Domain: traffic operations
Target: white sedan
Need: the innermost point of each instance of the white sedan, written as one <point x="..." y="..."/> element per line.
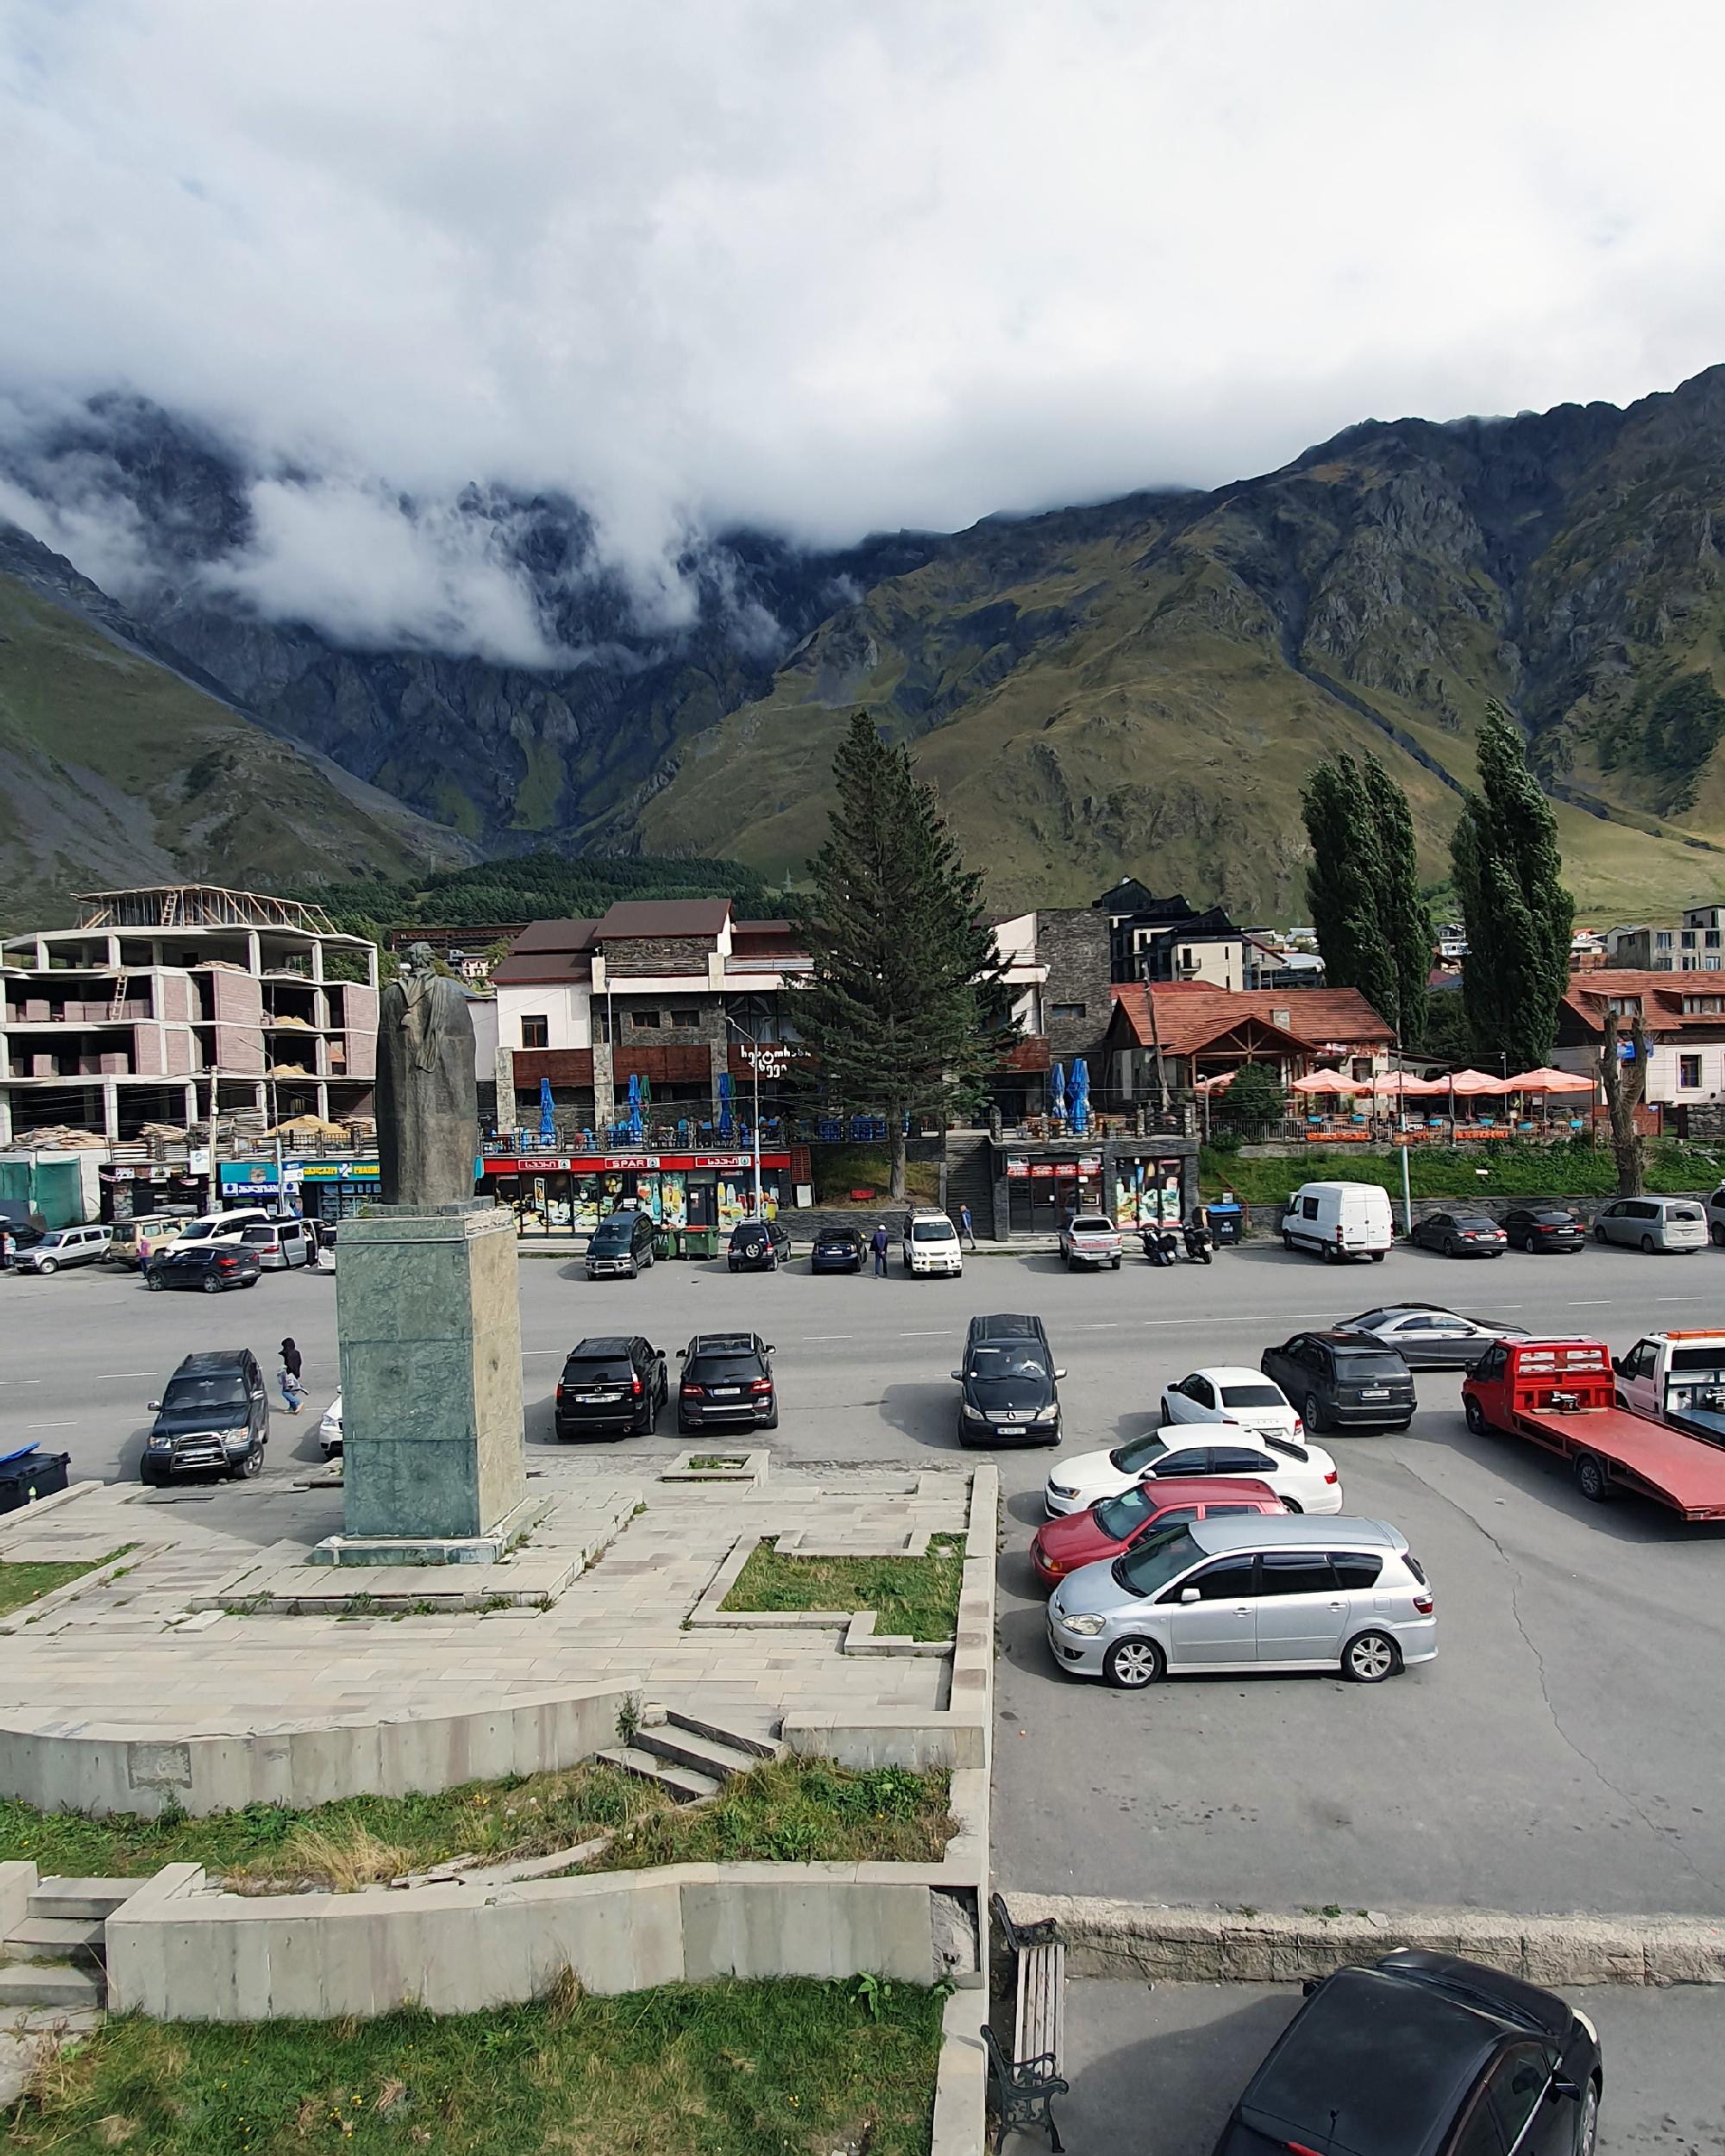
<point x="1246" y="1398"/>
<point x="1302" y="1475"/>
<point x="329" y="1430"/>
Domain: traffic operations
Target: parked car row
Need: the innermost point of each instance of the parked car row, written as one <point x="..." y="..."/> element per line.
<point x="618" y="1383"/>
<point x="1341" y="1221"/>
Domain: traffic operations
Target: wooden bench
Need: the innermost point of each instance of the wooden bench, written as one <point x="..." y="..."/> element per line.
<point x="1030" y="2080"/>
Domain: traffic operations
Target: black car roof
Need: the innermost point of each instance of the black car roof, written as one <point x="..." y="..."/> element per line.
<point x="1006" y="1325"/>
<point x="1391" y="2059"/>
<point x="211" y="1360"/>
<point x="608" y="1345"/>
<point x="1350" y="1336"/>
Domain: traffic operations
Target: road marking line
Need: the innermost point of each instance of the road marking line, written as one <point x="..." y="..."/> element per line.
<point x="526" y="1352"/>
<point x="20" y="1381"/>
<point x="1599" y="1302"/>
<point x="51" y="1426"/>
<point x="103" y="1377"/>
<point x="826" y="1336"/>
<point x="940" y="1335"/>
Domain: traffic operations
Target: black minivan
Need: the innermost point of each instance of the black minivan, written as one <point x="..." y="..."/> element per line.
<point x="621" y="1243"/>
<point x="214" y="1416"/>
<point x="1009" y="1393"/>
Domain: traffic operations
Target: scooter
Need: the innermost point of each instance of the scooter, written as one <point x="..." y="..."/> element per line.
<point x="1161" y="1245"/>
<point x="1199" y="1244"/>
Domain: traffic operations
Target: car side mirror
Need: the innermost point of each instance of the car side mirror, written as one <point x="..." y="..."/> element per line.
<point x="770" y="1349"/>
<point x="1058" y="1374"/>
<point x="1560" y="2087"/>
<point x="153" y="1407"/>
<point x="1190" y="1594"/>
<point x="682" y="1355"/>
<point x="957" y="1375"/>
<point x="1617" y="1365"/>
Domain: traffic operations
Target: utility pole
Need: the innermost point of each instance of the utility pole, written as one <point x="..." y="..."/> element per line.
<point x="1155" y="1039"/>
<point x="770" y="1059"/>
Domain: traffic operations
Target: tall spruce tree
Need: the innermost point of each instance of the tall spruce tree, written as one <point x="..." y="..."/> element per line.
<point x="905" y="975"/>
<point x="1363" y="887"/>
<point x="1508" y="877"/>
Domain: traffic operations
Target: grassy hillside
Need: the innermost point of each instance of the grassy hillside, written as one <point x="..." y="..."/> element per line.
<point x="114" y="770"/>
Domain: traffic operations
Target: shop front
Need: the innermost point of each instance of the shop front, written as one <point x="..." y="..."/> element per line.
<point x="136" y="1192"/>
<point x="570" y="1194"/>
<point x="321" y="1189"/>
<point x="1134" y="1180"/>
<point x="1042" y="1192"/>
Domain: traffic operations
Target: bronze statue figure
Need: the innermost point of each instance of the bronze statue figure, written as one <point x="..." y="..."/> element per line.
<point x="427" y="1098"/>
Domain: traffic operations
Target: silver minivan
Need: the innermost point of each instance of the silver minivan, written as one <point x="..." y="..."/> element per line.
<point x="1252" y="1592"/>
<point x="1652" y="1224"/>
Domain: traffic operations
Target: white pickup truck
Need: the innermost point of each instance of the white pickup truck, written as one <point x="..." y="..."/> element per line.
<point x="1678" y="1378"/>
<point x="1089" y="1239"/>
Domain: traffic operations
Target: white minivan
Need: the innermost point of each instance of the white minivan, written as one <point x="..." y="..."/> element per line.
<point x="931" y="1245"/>
<point x="1339" y="1220"/>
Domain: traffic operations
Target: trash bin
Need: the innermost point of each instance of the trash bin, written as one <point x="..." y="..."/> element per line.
<point x="701" y="1242"/>
<point x="30" y="1475"/>
<point x="1227" y="1217"/>
<point x="662" y="1243"/>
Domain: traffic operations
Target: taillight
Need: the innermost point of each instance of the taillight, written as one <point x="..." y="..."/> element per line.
<point x="1331" y="1477"/>
<point x="1299" y="1427"/>
<point x="561" y="1389"/>
<point x="692" y="1392"/>
<point x="762" y="1385"/>
<point x="1425" y="1604"/>
<point x="634" y="1386"/>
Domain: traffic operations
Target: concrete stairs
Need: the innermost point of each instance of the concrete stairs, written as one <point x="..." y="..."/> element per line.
<point x="969" y="1179"/>
<point x="689" y="1758"/>
<point x="55" y="1956"/>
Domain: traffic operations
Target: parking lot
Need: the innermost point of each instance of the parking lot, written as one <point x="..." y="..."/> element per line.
<point x="1564" y="1752"/>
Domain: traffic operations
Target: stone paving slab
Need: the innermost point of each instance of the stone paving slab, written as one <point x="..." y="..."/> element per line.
<point x="120" y="1655"/>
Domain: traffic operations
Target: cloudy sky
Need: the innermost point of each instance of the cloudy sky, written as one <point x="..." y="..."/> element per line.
<point x="833" y="268"/>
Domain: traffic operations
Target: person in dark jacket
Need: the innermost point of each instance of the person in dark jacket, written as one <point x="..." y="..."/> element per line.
<point x="877" y="1243"/>
<point x="290" y="1361"/>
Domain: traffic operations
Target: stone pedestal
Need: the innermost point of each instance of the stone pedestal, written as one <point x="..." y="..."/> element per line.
<point x="428" y="1313"/>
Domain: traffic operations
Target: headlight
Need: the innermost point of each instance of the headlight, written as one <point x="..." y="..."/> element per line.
<point x="1059" y="1490"/>
<point x="1087" y="1627"/>
<point x="973" y="1414"/>
<point x="237" y="1441"/>
<point x="160" y="1438"/>
<point x="1046" y="1414"/>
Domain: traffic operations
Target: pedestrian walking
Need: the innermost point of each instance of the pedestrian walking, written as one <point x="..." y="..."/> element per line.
<point x="5" y="1250"/>
<point x="877" y="1243"/>
<point x="293" y="1392"/>
<point x="965" y="1228"/>
<point x="290" y="1359"/>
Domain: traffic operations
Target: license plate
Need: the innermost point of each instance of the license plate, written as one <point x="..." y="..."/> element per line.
<point x="604" y="1396"/>
<point x="1375" y="1392"/>
<point x="726" y="1392"/>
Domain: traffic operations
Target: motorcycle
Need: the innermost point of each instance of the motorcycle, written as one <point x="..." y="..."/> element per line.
<point x="1161" y="1245"/>
<point x="1199" y="1244"/>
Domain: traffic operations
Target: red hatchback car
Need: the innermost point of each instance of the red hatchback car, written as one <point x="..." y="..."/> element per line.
<point x="1112" y="1526"/>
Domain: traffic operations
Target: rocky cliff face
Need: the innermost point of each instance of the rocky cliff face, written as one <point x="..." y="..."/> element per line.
<point x="1136" y="686"/>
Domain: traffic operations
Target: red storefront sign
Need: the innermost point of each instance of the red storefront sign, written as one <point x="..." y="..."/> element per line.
<point x="613" y="1163"/>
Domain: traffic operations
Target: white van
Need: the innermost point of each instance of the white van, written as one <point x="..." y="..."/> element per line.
<point x="931" y="1245"/>
<point x="1339" y="1220"/>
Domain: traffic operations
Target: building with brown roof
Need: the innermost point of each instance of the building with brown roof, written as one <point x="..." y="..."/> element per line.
<point x="1684" y="1017"/>
<point x="1203" y="1031"/>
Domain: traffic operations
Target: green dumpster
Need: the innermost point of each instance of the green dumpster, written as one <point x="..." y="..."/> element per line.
<point x="701" y="1242"/>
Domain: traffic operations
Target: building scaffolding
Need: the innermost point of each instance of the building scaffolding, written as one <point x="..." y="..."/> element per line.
<point x="199" y="906"/>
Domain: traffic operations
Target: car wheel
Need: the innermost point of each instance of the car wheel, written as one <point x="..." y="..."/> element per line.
<point x="1398" y="1428"/>
<point x="1718" y="1236"/>
<point x="1452" y="1248"/>
<point x="1292" y="1504"/>
<point x="211" y="1285"/>
<point x="772" y="1421"/>
<point x="684" y="1429"/>
<point x="47" y="1265"/>
<point x="1330" y="1253"/>
<point x="1646" y="1246"/>
<point x="155" y="1283"/>
<point x="1379" y="1257"/>
<point x="1113" y="1264"/>
<point x="252" y="1281"/>
<point x="252" y="1464"/>
<point x="1370" y="1656"/>
<point x="1599" y="1234"/>
<point x="1475" y="1415"/>
<point x="1130" y="1665"/>
<point x="152" y="1477"/>
<point x="1587" y="2126"/>
<point x="1591" y="1479"/>
<point x="1316" y="1421"/>
<point x="1287" y="1242"/>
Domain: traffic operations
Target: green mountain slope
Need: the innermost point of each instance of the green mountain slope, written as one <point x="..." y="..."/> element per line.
<point x="114" y="770"/>
<point x="1140" y="687"/>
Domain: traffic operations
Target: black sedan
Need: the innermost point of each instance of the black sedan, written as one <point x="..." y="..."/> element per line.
<point x="760" y="1245"/>
<point x="727" y="1383"/>
<point x="1544" y="1228"/>
<point x="1424" y="2054"/>
<point x="1460" y="1235"/>
<point x="840" y="1249"/>
<point x="1429" y="1337"/>
<point x="209" y="1266"/>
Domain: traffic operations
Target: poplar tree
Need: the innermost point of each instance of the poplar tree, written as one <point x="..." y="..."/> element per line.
<point x="905" y="978"/>
<point x="1363" y="887"/>
<point x="1404" y="920"/>
<point x="1508" y="877"/>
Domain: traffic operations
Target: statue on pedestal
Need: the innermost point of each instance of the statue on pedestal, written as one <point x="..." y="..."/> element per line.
<point x="426" y="1090"/>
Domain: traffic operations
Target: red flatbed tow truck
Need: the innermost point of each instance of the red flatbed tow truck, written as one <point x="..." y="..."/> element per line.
<point x="1561" y="1394"/>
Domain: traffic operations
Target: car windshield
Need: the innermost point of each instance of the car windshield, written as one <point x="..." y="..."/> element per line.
<point x="617" y="1229"/>
<point x="227" y="1390"/>
<point x="1252" y="1396"/>
<point x="598" y="1370"/>
<point x="1117" y="1516"/>
<point x="1140" y="1453"/>
<point x="931" y="1231"/>
<point x="722" y="1370"/>
<point x="1091" y="1223"/>
<point x="1356" y="1363"/>
<point x="1018" y="1360"/>
<point x="1156" y="1560"/>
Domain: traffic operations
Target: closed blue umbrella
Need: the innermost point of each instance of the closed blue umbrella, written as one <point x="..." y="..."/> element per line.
<point x="1057" y="1093"/>
<point x="548" y="1123"/>
<point x="725" y="1104"/>
<point x="1079" y="1096"/>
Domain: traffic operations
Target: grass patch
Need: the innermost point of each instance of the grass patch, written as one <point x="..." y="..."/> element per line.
<point x="797" y="1811"/>
<point x="353" y="1842"/>
<point x="839" y="1169"/>
<point x="728" y="2069"/>
<point x="20" y="1584"/>
<point x="913" y="1597"/>
<point x="1572" y="1168"/>
<point x="700" y="1462"/>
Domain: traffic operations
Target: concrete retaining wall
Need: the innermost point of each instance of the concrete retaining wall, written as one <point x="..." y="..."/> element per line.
<point x="81" y="1768"/>
<point x="1195" y="1946"/>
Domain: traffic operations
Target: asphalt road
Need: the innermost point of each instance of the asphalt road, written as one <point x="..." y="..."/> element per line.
<point x="1155" y="2071"/>
<point x="1565" y="1751"/>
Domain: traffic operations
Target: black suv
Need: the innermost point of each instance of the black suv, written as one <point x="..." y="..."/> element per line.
<point x="621" y="1243"/>
<point x="761" y="1245"/>
<point x="211" y="1266"/>
<point x="1008" y="1383"/>
<point x="727" y="1383"/>
<point x="1339" y="1378"/>
<point x="610" y="1384"/>
<point x="1423" y="2051"/>
<point x="214" y="1416"/>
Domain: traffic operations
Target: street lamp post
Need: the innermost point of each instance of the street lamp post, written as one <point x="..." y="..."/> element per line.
<point x="768" y="1058"/>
